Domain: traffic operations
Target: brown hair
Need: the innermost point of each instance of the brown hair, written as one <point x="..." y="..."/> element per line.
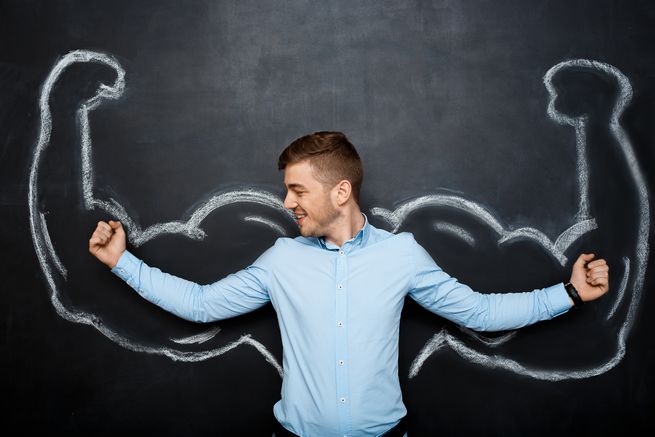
<point x="332" y="157"/>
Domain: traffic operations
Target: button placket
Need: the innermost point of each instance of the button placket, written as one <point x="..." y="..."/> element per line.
<point x="341" y="307"/>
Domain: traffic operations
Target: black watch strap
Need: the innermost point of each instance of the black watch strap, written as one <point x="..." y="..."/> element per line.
<point x="573" y="294"/>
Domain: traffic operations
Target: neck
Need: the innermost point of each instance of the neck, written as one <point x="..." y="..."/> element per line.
<point x="346" y="227"/>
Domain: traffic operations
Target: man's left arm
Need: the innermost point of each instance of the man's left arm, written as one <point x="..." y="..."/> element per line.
<point x="444" y="295"/>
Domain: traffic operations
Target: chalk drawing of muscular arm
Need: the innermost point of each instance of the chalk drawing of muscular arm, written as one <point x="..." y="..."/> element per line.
<point x="623" y="300"/>
<point x="483" y="350"/>
<point x="55" y="270"/>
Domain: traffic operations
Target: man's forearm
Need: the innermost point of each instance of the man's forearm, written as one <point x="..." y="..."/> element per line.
<point x="505" y="311"/>
<point x="176" y="295"/>
<point x="236" y="294"/>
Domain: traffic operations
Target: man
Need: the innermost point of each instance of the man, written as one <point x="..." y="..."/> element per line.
<point x="338" y="290"/>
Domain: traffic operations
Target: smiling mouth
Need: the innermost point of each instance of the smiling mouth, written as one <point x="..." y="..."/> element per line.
<point x="300" y="218"/>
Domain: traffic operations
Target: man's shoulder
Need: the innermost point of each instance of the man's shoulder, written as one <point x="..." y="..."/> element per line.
<point x="295" y="242"/>
<point x="377" y="235"/>
<point x="278" y="251"/>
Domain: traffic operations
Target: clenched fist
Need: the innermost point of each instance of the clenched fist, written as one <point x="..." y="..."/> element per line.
<point x="590" y="278"/>
<point x="108" y="242"/>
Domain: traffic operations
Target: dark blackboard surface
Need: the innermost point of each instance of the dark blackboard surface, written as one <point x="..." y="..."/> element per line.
<point x="446" y="101"/>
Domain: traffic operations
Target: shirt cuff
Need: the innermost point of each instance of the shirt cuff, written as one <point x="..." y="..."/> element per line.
<point x="559" y="299"/>
<point x="126" y="267"/>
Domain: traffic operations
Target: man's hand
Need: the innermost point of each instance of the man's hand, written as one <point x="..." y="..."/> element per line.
<point x="590" y="278"/>
<point x="108" y="242"/>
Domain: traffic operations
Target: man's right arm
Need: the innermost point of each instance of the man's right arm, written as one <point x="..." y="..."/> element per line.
<point x="236" y="294"/>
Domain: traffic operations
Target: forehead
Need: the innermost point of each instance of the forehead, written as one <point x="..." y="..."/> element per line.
<point x="300" y="173"/>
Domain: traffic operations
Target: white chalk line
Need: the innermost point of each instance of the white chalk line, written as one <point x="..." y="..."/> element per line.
<point x="395" y="219"/>
<point x="191" y="228"/>
<point x="621" y="291"/>
<point x="51" y="250"/>
<point x="443" y="338"/>
<point x="198" y="338"/>
<point x="584" y="224"/>
<point x="570" y="235"/>
<point x="271" y="224"/>
<point x="489" y="341"/>
<point x="455" y="230"/>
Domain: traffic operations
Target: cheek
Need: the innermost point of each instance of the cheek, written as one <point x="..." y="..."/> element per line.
<point x="323" y="204"/>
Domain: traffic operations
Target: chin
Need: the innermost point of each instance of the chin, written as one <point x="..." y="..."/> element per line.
<point x="310" y="232"/>
<point x="307" y="233"/>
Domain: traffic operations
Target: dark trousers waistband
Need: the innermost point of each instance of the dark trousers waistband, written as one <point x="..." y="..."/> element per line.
<point x="397" y="431"/>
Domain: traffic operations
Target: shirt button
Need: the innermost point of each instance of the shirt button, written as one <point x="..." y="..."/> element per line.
<point x="341" y="252"/>
<point x="340" y="362"/>
<point x="342" y="400"/>
<point x="339" y="324"/>
<point x="340" y="286"/>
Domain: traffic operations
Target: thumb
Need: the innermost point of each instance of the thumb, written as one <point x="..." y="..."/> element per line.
<point x="584" y="258"/>
<point x="115" y="224"/>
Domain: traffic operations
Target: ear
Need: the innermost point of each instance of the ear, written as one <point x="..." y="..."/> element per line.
<point x="343" y="192"/>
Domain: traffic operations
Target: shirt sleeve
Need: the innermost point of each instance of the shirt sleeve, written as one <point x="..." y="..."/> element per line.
<point x="237" y="293"/>
<point x="442" y="294"/>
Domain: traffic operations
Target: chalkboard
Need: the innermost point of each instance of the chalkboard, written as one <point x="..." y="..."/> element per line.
<point x="507" y="136"/>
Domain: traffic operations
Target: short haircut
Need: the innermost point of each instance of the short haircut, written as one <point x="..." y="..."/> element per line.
<point x="332" y="157"/>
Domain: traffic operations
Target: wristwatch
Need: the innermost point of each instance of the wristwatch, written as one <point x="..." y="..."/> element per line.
<point x="573" y="294"/>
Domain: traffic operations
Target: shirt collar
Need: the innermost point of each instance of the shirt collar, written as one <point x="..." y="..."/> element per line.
<point x="359" y="239"/>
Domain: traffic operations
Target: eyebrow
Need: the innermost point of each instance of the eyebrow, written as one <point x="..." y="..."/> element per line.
<point x="296" y="186"/>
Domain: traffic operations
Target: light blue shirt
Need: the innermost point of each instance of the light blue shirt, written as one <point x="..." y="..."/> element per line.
<point x="339" y="314"/>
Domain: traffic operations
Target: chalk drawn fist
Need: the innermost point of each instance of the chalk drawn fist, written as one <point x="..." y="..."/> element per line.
<point x="107" y="243"/>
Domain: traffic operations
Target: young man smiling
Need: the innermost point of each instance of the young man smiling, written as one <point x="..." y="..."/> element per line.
<point x="323" y="175"/>
<point x="338" y="291"/>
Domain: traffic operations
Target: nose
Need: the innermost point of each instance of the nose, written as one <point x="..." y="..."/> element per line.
<point x="290" y="201"/>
